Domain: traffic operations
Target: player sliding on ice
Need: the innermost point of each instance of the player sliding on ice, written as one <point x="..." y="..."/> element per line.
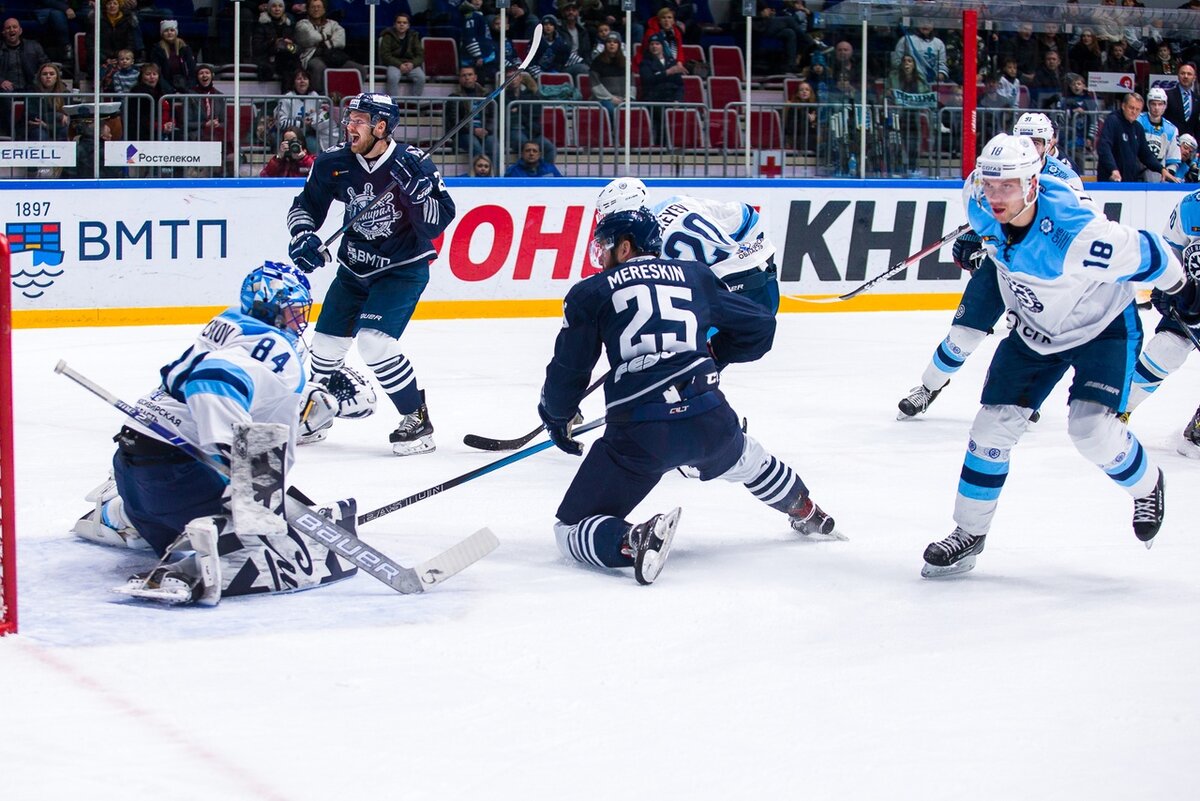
<point x="244" y="368"/>
<point x="1069" y="275"/>
<point x="664" y="407"/>
<point x="383" y="263"/>
<point x="981" y="304"/>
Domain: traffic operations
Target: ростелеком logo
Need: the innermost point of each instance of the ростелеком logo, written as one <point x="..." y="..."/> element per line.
<point x="130" y="154"/>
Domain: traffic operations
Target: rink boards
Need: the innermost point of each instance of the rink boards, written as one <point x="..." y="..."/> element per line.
<point x="172" y="251"/>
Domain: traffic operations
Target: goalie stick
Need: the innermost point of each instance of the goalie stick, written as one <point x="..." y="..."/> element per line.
<point x="489" y="444"/>
<point x="534" y="45"/>
<point x="491" y="467"/>
<point x="306" y="521"/>
<point x="899" y="266"/>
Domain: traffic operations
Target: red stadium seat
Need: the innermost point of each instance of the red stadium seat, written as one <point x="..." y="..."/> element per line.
<point x="722" y="91"/>
<point x="343" y="81"/>
<point x="554" y="125"/>
<point x="727" y="61"/>
<point x="724" y="130"/>
<point x="441" y="58"/>
<point x="685" y="130"/>
<point x="693" y="89"/>
<point x="593" y="128"/>
<point x="641" y="132"/>
<point x="766" y="130"/>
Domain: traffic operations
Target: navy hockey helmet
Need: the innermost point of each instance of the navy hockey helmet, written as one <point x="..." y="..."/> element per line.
<point x="379" y="107"/>
<point x="279" y="295"/>
<point x="639" y="226"/>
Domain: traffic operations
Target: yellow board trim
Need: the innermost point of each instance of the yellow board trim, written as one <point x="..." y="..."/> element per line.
<point x="444" y="310"/>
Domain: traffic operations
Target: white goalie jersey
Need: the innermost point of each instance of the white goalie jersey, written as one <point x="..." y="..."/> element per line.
<point x="1073" y="271"/>
<point x="726" y="236"/>
<point x="239" y="370"/>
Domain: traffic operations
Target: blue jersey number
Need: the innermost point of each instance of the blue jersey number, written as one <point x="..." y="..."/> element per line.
<point x="1101" y="250"/>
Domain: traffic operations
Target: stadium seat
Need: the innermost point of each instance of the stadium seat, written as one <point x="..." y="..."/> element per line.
<point x="593" y="128"/>
<point x="766" y="130"/>
<point x="585" y="86"/>
<point x="692" y="52"/>
<point x="441" y="59"/>
<point x="727" y="61"/>
<point x="641" y="131"/>
<point x="520" y="48"/>
<point x="343" y="82"/>
<point x="693" y="89"/>
<point x="556" y="79"/>
<point x="554" y="125"/>
<point x="724" y="130"/>
<point x="723" y="90"/>
<point x="685" y="130"/>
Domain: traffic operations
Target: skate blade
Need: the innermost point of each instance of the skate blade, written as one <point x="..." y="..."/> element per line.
<point x="1149" y="543"/>
<point x="961" y="566"/>
<point x="651" y="563"/>
<point x="902" y="416"/>
<point x="422" y="445"/>
<point x="160" y="595"/>
<point x="1188" y="448"/>
<point x="830" y="535"/>
<point x="313" y="438"/>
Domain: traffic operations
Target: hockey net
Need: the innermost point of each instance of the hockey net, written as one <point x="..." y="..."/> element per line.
<point x="8" y="546"/>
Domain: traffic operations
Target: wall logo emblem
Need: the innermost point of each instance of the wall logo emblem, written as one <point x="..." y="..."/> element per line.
<point x="44" y="240"/>
<point x="131" y="154"/>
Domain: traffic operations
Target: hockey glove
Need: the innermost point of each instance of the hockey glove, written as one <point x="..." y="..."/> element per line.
<point x="413" y="183"/>
<point x="968" y="251"/>
<point x="317" y="411"/>
<point x="1188" y="302"/>
<point x="305" y="251"/>
<point x="1191" y="259"/>
<point x="560" y="431"/>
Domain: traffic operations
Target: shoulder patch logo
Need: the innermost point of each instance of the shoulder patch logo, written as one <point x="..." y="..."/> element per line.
<point x="1046" y="225"/>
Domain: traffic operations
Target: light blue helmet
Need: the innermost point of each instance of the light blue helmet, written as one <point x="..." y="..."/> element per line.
<point x="279" y="295"/>
<point x="379" y="107"/>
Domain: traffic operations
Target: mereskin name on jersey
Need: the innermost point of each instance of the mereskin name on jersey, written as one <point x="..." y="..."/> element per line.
<point x="645" y="272"/>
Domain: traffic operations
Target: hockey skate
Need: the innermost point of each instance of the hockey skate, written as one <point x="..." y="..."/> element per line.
<point x="196" y="578"/>
<point x="1189" y="445"/>
<point x="918" y="401"/>
<point x="955" y="554"/>
<point x="106" y="523"/>
<point x="649" y="544"/>
<point x="1148" y="513"/>
<point x="808" y="519"/>
<point x="414" y="434"/>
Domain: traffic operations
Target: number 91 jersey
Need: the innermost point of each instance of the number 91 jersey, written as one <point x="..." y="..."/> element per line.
<point x="651" y="315"/>
<point x="239" y="370"/>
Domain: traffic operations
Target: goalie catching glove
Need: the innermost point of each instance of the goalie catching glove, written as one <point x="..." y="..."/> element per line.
<point x="968" y="252"/>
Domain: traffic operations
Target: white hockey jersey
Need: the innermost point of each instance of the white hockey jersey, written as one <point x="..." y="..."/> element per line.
<point x="1163" y="139"/>
<point x="1183" y="227"/>
<point x="1073" y="271"/>
<point x="726" y="236"/>
<point x="240" y="370"/>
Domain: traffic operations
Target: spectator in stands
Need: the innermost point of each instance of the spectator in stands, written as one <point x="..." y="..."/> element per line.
<point x="844" y="66"/>
<point x="788" y="29"/>
<point x="1116" y="60"/>
<point x="910" y="94"/>
<point x="817" y="74"/>
<point x="662" y="25"/>
<point x="120" y="76"/>
<point x="206" y="114"/>
<point x="46" y="121"/>
<point x="927" y="50"/>
<point x="304" y="109"/>
<point x="1163" y="63"/>
<point x="476" y="48"/>
<point x="557" y="55"/>
<point x="150" y="119"/>
<point x="293" y="159"/>
<point x="1183" y="101"/>
<point x="1023" y="48"/>
<point x="1049" y="82"/>
<point x="521" y="23"/>
<point x="608" y="75"/>
<point x="54" y="16"/>
<point x="611" y="12"/>
<point x="525" y="119"/>
<point x="685" y="18"/>
<point x="174" y="57"/>
<point x="322" y="44"/>
<point x="601" y="37"/>
<point x="117" y="32"/>
<point x="531" y="164"/>
<point x="511" y="60"/>
<point x="1082" y="120"/>
<point x="995" y="109"/>
<point x="574" y="31"/>
<point x="481" y="167"/>
<point x="478" y="136"/>
<point x="661" y="78"/>
<point x="273" y="46"/>
<point x="1086" y="55"/>
<point x="1122" y="150"/>
<point x="800" y="123"/>
<point x="20" y="59"/>
<point x="1008" y="83"/>
<point x="403" y="53"/>
<point x="1188" y="169"/>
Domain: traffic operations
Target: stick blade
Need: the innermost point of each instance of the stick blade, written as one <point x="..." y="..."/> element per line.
<point x="457" y="558"/>
<point x="535" y="44"/>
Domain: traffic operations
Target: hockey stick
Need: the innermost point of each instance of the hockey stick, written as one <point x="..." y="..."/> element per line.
<point x="899" y="266"/>
<point x="489" y="444"/>
<point x="534" y="44"/>
<point x="312" y="525"/>
<point x="1187" y="329"/>
<point x="367" y="517"/>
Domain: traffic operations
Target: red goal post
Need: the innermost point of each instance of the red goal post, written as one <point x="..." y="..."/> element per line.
<point x="8" y="519"/>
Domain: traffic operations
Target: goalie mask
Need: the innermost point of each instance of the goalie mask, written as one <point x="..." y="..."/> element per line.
<point x="639" y="226"/>
<point x="279" y="295"/>
<point x="623" y="194"/>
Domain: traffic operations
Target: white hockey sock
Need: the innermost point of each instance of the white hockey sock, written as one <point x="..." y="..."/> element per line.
<point x="1101" y="437"/>
<point x="595" y="540"/>
<point x="391" y="367"/>
<point x="951" y="354"/>
<point x="327" y="355"/>
<point x="1164" y="354"/>
<point x="985" y="466"/>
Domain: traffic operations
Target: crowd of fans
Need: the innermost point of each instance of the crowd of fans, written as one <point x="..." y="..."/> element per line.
<point x="915" y="72"/>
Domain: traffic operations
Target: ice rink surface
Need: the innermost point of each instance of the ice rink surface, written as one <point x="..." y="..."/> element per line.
<point x="759" y="666"/>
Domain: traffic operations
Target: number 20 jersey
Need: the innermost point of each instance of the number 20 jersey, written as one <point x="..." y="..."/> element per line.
<point x="651" y="315"/>
<point x="239" y="370"/>
<point x="1073" y="271"/>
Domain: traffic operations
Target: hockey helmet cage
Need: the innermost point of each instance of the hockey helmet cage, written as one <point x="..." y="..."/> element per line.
<point x="278" y="295"/>
<point x="623" y="194"/>
<point x="378" y="106"/>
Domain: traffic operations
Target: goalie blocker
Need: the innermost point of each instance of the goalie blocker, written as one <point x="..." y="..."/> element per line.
<point x="252" y="550"/>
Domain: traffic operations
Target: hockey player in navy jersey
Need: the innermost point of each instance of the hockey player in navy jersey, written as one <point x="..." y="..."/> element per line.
<point x="383" y="260"/>
<point x="727" y="237"/>
<point x="1170" y="346"/>
<point x="664" y="407"/>
<point x="244" y="367"/>
<point x="981" y="305"/>
<point x="1068" y="276"/>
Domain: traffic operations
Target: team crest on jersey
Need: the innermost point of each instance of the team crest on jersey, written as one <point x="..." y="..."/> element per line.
<point x="1026" y="296"/>
<point x="377" y="222"/>
<point x="1046" y="225"/>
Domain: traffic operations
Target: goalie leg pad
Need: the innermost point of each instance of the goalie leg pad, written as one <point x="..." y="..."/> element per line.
<point x="257" y="478"/>
<point x="194" y="578"/>
<point x="107" y="524"/>
<point x="279" y="564"/>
